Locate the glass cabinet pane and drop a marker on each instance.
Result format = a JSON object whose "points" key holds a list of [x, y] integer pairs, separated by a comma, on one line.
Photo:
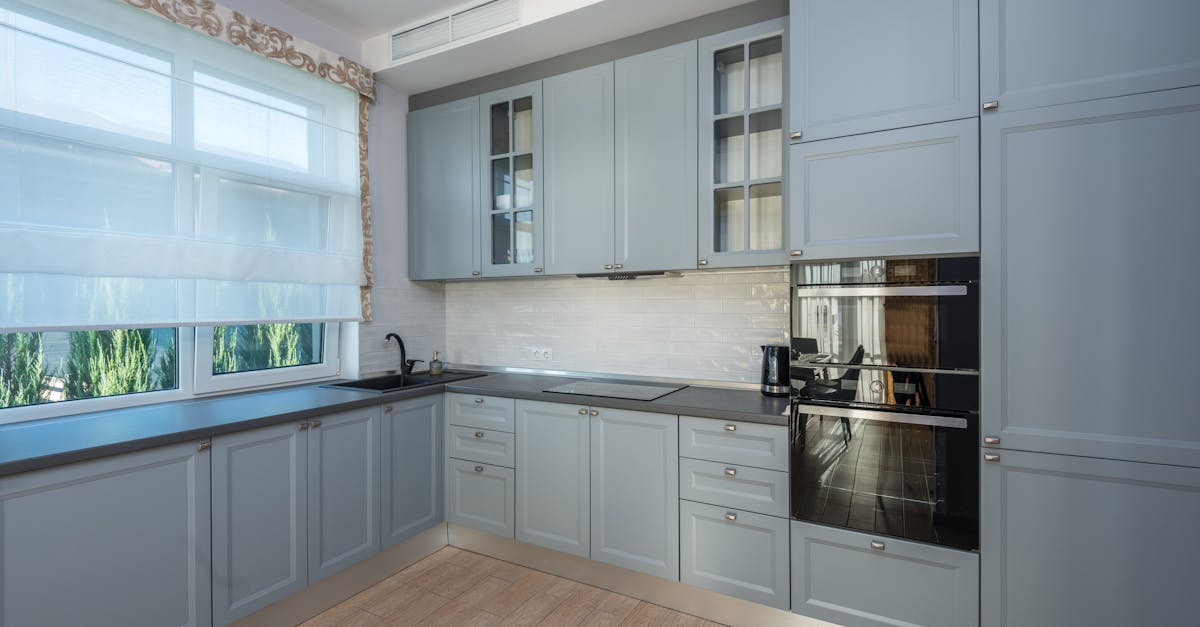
{"points": [[500, 128], [523, 125], [729, 157], [729, 80], [501, 185], [766, 72], [524, 236], [766, 144], [766, 216], [501, 238], [729, 219], [523, 173]]}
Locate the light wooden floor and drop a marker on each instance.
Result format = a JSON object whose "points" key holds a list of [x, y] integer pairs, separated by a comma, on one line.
{"points": [[456, 587]]}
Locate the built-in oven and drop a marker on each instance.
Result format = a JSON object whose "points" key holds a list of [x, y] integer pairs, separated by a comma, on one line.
{"points": [[885, 397]]}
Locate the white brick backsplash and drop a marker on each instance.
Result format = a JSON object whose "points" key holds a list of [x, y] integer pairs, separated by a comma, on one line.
{"points": [[704, 325]]}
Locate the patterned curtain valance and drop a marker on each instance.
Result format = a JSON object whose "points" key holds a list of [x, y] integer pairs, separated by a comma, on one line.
{"points": [[230, 26]]}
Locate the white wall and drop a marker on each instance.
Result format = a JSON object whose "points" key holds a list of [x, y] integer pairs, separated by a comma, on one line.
{"points": [[704, 325]]}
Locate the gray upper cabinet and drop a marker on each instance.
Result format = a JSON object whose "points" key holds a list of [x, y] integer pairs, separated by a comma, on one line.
{"points": [[553, 505], [260, 518], [867, 65], [443, 171], [1035, 53], [1090, 225], [343, 490], [510, 200], [635, 491], [412, 457], [656, 160], [910, 191], [1078, 541], [123, 540], [578, 147], [741, 125]]}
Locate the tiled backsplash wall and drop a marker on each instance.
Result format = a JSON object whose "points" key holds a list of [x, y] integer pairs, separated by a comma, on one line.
{"points": [[704, 325]]}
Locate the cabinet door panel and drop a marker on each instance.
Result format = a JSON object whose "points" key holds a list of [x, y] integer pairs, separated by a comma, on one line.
{"points": [[123, 540], [848, 77], [635, 491], [481, 412], [746, 557], [1090, 236], [553, 482], [1035, 53], [913, 191], [733, 442], [260, 519], [656, 159], [480, 445], [343, 491], [512, 162], [578, 138], [1079, 541], [739, 487], [481, 496], [443, 175], [411, 487]]}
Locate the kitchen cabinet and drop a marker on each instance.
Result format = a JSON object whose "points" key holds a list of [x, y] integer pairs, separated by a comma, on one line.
{"points": [[866, 65], [734, 442], [443, 175], [1079, 541], [259, 518], [343, 490], [510, 201], [1088, 321], [481, 496], [730, 485], [859, 579], [553, 485], [481, 412], [123, 540], [741, 215], [911, 191], [490, 447], [578, 146], [735, 552], [635, 491], [656, 159], [411, 489], [1035, 53]]}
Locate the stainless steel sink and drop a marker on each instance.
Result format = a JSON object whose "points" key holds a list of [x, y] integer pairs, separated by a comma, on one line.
{"points": [[393, 382]]}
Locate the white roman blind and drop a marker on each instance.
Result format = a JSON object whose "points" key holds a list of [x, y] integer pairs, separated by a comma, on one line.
{"points": [[153, 176]]}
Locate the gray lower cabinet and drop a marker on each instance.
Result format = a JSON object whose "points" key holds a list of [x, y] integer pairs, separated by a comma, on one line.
{"points": [[443, 175], [856, 579], [481, 496], [553, 482], [1034, 53], [481, 445], [343, 490], [1090, 225], [734, 442], [411, 489], [849, 76], [731, 485], [1072, 540], [123, 540], [259, 519], [635, 491], [482, 412], [736, 552], [912, 191]]}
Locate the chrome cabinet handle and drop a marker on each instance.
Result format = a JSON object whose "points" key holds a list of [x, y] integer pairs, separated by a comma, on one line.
{"points": [[877, 545], [316, 423], [991, 439], [796, 135], [730, 516], [479, 401], [204, 446], [988, 457], [797, 253], [582, 412], [479, 469], [537, 269], [594, 412], [608, 266], [991, 105], [731, 472], [618, 266], [479, 434], [731, 428], [302, 426], [702, 262], [387, 409], [474, 273]]}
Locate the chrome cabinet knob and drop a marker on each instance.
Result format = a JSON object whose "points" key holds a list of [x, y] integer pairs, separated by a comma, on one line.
{"points": [[302, 426], [618, 266], [877, 545], [537, 269], [594, 412], [474, 273], [608, 266], [797, 253], [387, 409], [991, 439], [731, 472], [730, 516], [796, 135], [479, 401], [731, 428], [316, 423], [702, 262], [991, 105], [479, 434], [204, 446], [479, 469], [988, 457], [582, 412]]}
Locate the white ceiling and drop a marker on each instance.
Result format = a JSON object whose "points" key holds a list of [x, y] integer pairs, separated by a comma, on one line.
{"points": [[367, 18]]}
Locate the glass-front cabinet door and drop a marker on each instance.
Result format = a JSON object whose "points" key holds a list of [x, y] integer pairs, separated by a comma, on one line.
{"points": [[511, 202], [742, 147]]}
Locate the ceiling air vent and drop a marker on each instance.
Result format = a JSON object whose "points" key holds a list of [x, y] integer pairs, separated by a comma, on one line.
{"points": [[421, 38], [484, 17]]}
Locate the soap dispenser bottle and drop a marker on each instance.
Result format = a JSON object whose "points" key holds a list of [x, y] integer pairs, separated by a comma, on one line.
{"points": [[435, 365]]}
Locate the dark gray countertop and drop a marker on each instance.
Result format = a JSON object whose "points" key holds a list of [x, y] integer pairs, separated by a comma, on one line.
{"points": [[38, 444]]}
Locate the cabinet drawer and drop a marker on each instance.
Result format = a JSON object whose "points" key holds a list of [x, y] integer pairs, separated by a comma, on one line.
{"points": [[739, 487], [481, 445], [481, 496], [735, 552], [481, 412], [838, 576], [733, 442]]}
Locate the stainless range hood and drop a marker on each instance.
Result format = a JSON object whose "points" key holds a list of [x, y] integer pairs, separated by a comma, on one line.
{"points": [[629, 276]]}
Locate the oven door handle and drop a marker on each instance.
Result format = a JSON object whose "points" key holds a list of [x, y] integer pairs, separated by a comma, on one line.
{"points": [[881, 290], [951, 422]]}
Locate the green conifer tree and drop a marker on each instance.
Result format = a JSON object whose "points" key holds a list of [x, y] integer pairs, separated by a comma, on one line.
{"points": [[22, 369]]}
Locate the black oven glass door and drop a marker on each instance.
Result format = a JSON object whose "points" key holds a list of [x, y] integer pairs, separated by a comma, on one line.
{"points": [[912, 476]]}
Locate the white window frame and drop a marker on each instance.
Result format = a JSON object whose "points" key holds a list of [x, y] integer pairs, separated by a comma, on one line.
{"points": [[205, 382]]}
